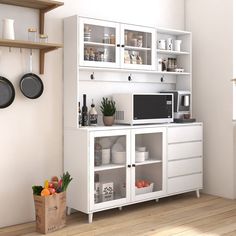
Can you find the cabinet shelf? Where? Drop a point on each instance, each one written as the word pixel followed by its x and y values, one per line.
pixel 147 162
pixel 99 44
pixel 43 6
pixel 108 167
pixel 137 48
pixel 172 52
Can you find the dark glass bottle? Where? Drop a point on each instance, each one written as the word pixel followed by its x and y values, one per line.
pixel 84 112
pixel 93 115
pixel 79 116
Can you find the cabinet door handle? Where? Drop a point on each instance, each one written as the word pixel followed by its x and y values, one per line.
pixel 118 45
pixel 133 165
pixel 129 166
pixel 122 45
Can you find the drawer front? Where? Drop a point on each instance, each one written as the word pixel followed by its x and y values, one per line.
pixel 184 134
pixel 184 183
pixel 184 167
pixel 184 150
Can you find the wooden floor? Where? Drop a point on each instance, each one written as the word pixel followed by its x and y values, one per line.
pixel 179 215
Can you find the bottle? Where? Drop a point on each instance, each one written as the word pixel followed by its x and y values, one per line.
pixel 93 115
pixel 96 188
pixel 80 116
pixel 84 112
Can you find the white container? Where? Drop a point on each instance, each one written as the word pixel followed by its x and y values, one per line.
pixel 118 157
pixel 106 156
pixel 178 45
pixel 146 155
pixel 159 64
pixel 144 190
pixel 139 156
pixel 161 44
pixel 141 149
pixel 8 29
pixel 170 44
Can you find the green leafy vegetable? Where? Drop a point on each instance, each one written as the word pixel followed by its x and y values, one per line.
pixel 66 179
pixel 37 190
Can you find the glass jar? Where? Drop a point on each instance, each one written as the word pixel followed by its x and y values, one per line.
pixel 43 38
pixel 113 39
pixel 140 41
pixel 97 154
pixel 32 34
pixel 106 39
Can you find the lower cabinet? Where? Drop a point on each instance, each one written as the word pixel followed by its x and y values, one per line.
pixel 185 159
pixel 117 166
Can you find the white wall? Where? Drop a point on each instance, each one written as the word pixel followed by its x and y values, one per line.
pixel 31 130
pixel 211 22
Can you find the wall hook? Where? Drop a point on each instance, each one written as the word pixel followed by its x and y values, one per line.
pixel 92 77
pixel 130 77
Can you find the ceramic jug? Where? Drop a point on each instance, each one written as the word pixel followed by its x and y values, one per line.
pixel 8 29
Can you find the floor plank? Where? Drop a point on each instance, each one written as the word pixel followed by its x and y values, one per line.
pixel 182 215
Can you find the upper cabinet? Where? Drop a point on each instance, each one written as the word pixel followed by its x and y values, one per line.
pixel 114 45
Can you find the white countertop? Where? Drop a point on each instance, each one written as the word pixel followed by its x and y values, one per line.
pixel 119 127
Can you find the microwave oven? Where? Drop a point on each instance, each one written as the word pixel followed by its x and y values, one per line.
pixel 144 108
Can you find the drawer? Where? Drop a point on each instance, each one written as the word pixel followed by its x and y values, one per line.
pixel 184 183
pixel 184 134
pixel 184 150
pixel 184 167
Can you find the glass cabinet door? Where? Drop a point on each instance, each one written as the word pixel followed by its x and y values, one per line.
pixel 148 156
pixel 98 40
pixel 138 45
pixel 109 173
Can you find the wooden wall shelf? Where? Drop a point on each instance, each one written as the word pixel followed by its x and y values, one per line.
pixel 43 6
pixel 43 47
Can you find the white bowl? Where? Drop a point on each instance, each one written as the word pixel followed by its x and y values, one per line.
pixel 141 149
pixel 118 157
pixel 139 156
pixel 146 154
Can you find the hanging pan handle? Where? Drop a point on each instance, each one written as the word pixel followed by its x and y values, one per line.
pixel 31 62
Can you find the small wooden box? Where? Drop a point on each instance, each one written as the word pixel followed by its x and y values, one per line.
pixel 50 212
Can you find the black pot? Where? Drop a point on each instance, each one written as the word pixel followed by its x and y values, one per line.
pixel 7 92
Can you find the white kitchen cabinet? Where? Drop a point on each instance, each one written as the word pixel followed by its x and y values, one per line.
pixel 115 45
pixel 122 171
pixel 167 176
pixel 185 159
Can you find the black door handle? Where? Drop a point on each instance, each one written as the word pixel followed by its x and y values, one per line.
pixel 133 165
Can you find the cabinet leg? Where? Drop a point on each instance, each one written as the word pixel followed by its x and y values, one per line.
pixel 120 208
pixel 68 211
pixel 198 193
pixel 157 200
pixel 90 218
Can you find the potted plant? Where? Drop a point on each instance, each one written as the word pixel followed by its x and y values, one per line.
pixel 108 109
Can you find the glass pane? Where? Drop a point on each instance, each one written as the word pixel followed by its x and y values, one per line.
pixel 148 178
pixel 138 39
pixel 110 151
pixel 99 43
pixel 109 168
pixel 138 48
pixel 149 166
pixel 136 56
pixel 109 185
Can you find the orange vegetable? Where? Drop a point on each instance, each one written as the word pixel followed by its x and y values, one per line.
pixel 45 192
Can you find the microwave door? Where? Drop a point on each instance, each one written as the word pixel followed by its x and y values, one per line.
pixel 148 107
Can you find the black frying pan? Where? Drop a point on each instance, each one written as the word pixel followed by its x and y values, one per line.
pixel 7 92
pixel 30 84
